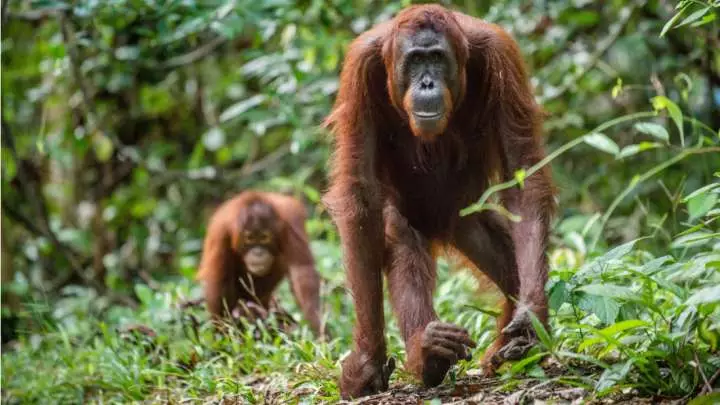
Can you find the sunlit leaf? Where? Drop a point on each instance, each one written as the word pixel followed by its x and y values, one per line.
pixel 701 204
pixel 702 190
pixel 652 129
pixel 661 103
pixel 126 53
pixel 705 295
pixel 608 290
pixel 520 177
pixel 670 23
pixel 694 239
pixel 214 138
pixel 705 20
pixel 631 150
pixel 144 293
pixel 613 375
pixel 623 326
pixel 238 109
pixel 696 15
pixel 103 146
pixel 602 142
pixel 617 89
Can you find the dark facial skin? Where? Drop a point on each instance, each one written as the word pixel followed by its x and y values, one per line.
pixel 258 244
pixel 258 252
pixel 426 79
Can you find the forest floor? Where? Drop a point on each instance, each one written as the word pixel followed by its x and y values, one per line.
pixel 476 389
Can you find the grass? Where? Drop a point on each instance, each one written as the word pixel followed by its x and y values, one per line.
pixel 624 321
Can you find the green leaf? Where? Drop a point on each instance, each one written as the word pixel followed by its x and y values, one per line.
pixel 655 264
pixel 606 309
pixel 144 294
pixel 613 375
pixel 623 326
pixel 238 109
pixel 696 238
pixel 8 164
pixel 542 333
pixel 701 204
pixel 705 20
pixel 693 17
pixel 662 103
pixel 670 23
pixel 653 129
pixel 126 53
pixel 608 290
pixel 614 254
pixel 710 399
pixel 617 89
pixel 559 295
pixel 701 190
pixel 637 148
pixel 103 146
pixel 705 295
pixel 602 142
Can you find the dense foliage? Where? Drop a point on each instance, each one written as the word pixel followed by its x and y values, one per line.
pixel 125 123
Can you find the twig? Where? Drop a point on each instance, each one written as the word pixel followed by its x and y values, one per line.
pixel 710 383
pixel 193 56
pixel 707 386
pixel 480 204
pixel 641 178
pixel 595 57
pixel 212 173
pixel 22 219
pixel 265 162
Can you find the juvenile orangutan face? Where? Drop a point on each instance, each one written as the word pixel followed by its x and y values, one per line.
pixel 259 242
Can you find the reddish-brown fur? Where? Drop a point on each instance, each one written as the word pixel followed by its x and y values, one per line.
pixel 226 279
pixel 392 192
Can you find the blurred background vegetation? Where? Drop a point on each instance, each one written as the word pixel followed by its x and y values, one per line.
pixel 126 122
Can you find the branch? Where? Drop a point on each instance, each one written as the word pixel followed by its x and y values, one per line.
pixel 193 56
pixel 4 12
pixel 212 173
pixel 68 35
pixel 35 198
pixel 595 57
pixel 15 215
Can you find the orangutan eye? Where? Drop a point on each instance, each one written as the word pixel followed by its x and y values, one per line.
pixel 265 238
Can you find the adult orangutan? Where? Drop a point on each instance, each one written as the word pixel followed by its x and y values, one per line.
pixel 253 241
pixel 433 105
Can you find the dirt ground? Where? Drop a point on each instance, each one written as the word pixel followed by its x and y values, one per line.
pixel 479 390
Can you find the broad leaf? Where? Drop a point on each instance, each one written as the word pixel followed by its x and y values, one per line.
pixel 705 296
pixel 602 142
pixel 661 103
pixel 637 148
pixel 613 375
pixel 559 295
pixel 701 204
pixel 606 309
pixel 653 129
pixel 608 290
pixel 698 14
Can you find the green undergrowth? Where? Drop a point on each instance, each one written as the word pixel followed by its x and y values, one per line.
pixel 626 319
